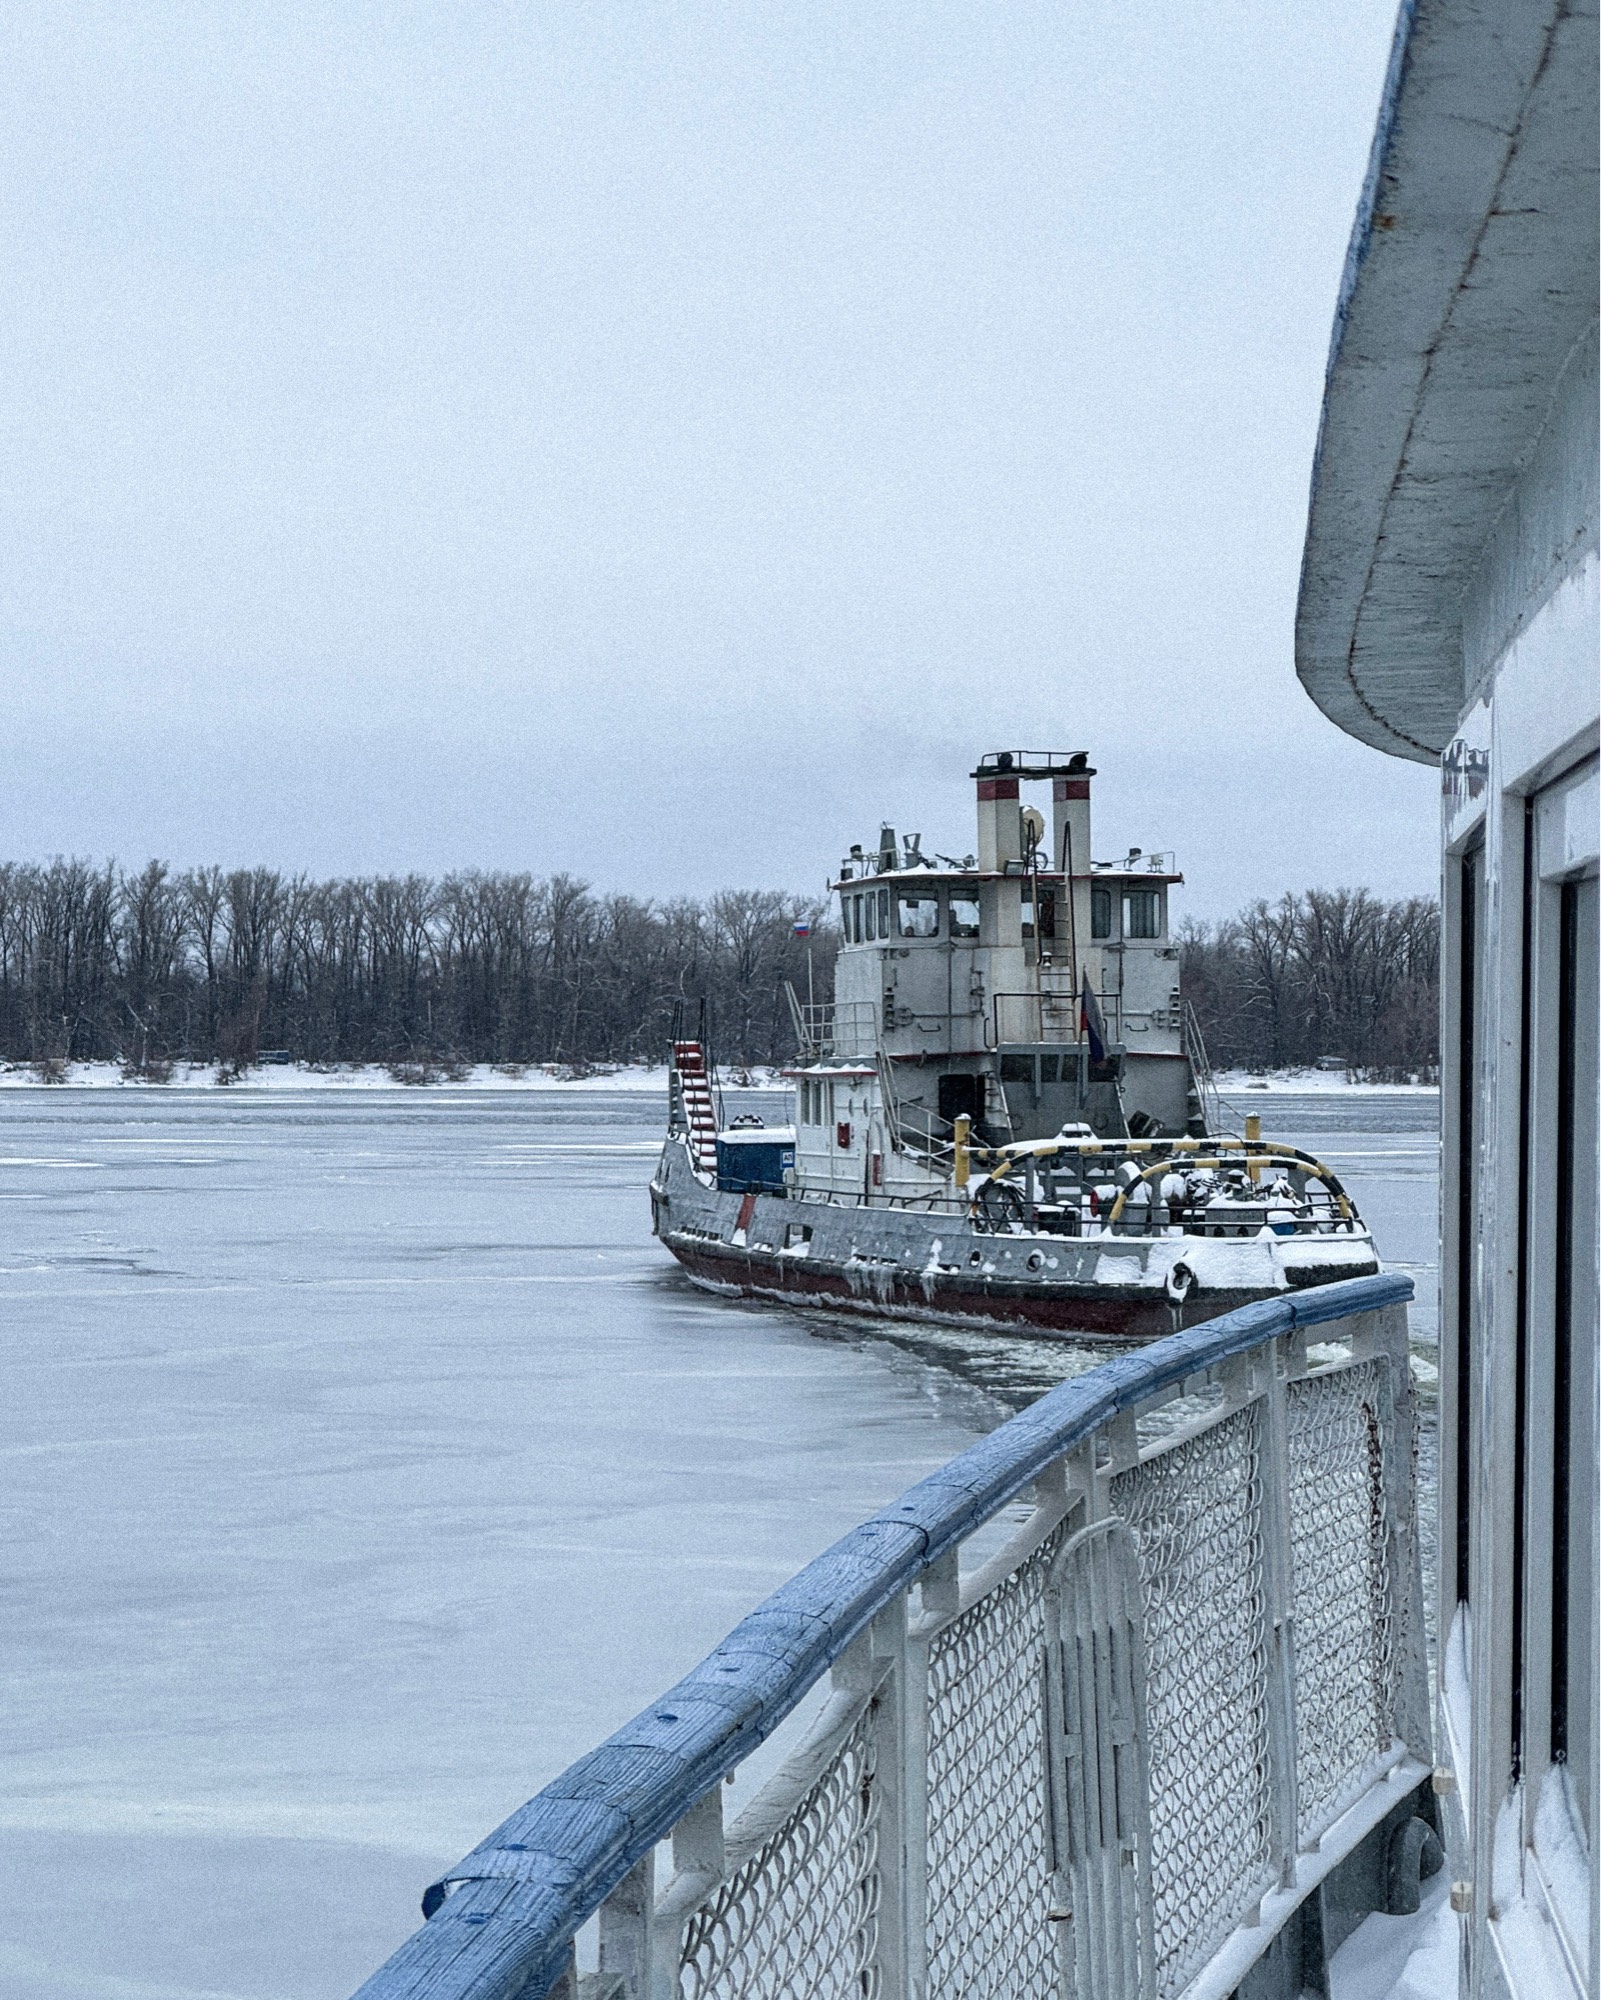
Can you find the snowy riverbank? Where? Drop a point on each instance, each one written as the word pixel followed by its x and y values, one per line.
pixel 647 1078
pixel 355 1076
pixel 1313 1083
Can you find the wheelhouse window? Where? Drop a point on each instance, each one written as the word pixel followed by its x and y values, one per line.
pixel 964 916
pixel 918 915
pixel 871 902
pixel 816 1101
pixel 855 925
pixel 883 913
pixel 1142 913
pixel 1100 913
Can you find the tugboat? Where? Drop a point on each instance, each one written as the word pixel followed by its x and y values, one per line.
pixel 1005 1113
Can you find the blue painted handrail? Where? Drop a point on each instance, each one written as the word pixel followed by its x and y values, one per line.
pixel 524 1891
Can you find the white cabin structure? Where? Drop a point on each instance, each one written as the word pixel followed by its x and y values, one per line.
pixel 959 991
pixel 1448 614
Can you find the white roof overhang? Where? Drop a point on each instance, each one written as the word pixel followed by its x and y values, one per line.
pixel 1469 282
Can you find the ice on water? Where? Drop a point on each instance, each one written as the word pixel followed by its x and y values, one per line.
pixel 366 1462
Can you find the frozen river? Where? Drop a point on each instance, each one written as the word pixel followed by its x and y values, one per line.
pixel 365 1462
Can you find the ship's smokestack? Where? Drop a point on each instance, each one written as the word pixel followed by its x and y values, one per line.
pixel 1070 850
pixel 1000 820
pixel 1070 817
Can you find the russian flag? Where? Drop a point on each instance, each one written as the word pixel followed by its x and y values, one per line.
pixel 1091 1023
pixel 803 929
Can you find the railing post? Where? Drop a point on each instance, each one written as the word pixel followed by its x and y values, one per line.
pixel 1412 1719
pixel 627 1923
pixel 698 1864
pixel 1083 1470
pixel 1123 1444
pixel 898 1829
pixel 941 1600
pixel 1278 1577
pixel 565 1986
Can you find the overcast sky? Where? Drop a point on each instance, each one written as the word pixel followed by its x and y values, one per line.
pixel 662 441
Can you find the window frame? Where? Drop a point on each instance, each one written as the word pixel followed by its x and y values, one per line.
pixel 1145 898
pixel 1554 1643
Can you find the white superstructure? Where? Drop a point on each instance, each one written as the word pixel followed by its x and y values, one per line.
pixel 1449 613
pixel 960 990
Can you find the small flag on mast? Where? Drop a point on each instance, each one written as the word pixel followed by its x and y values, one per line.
pixel 1091 1023
pixel 803 929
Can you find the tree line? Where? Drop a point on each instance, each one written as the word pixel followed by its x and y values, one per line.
pixel 1332 974
pixel 154 967
pixel 211 965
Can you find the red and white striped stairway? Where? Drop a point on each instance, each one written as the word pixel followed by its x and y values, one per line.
pixel 695 1093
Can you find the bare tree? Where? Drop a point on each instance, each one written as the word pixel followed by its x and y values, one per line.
pixel 217 965
pixel 1332 974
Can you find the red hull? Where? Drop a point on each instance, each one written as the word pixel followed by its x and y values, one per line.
pixel 1089 1311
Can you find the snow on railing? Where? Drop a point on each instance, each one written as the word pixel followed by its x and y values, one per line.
pixel 826 1031
pixel 1110 1755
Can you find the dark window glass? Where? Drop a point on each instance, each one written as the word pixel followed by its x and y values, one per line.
pixel 1467 1005
pixel 883 913
pixel 1573 1469
pixel 1520 1359
pixel 1142 913
pixel 872 928
pixel 1017 1069
pixel 961 1096
pixel 1100 913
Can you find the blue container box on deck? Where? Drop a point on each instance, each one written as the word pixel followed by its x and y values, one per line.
pixel 755 1161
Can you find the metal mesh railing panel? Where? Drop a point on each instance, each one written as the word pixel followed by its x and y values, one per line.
pixel 988 1881
pixel 1196 1514
pixel 1346 1671
pixel 800 1916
